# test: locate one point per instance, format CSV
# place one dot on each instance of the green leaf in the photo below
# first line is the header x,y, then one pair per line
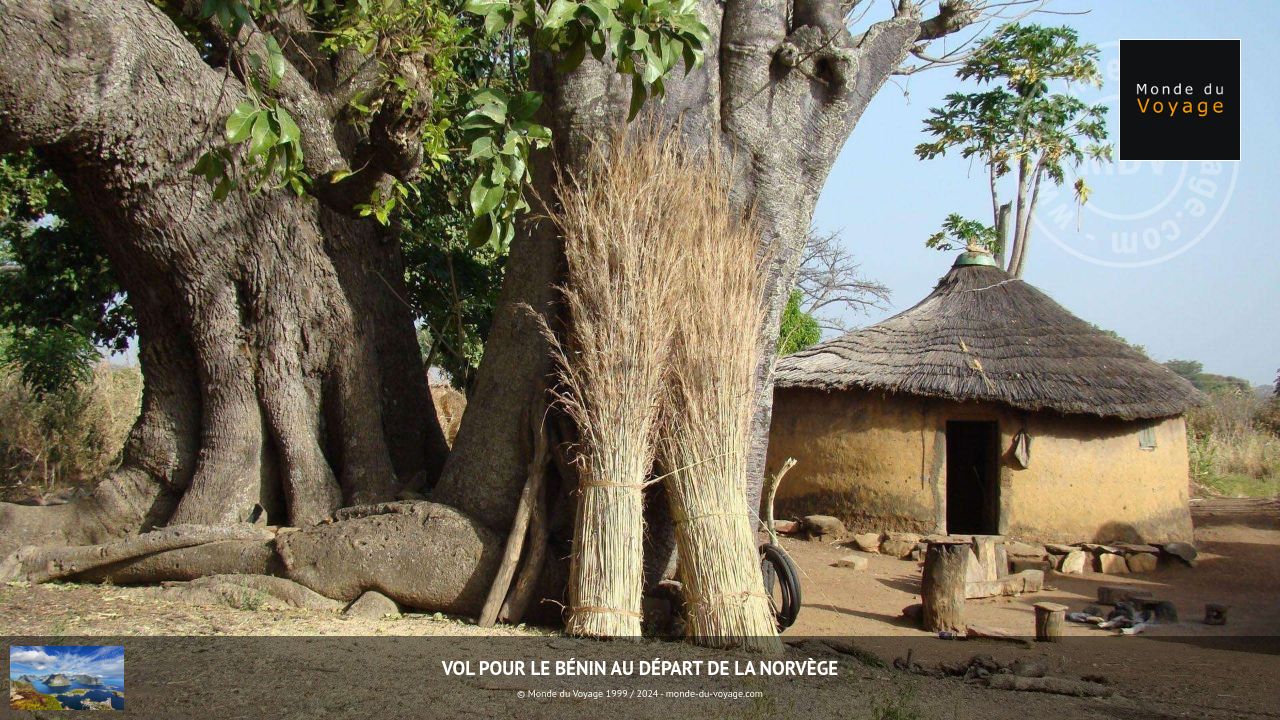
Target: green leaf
x,y
340,175
637,97
261,136
480,230
560,12
526,104
484,196
289,132
240,121
482,148
275,62
573,57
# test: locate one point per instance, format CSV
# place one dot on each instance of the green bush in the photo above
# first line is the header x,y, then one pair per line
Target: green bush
x,y
67,438
1233,445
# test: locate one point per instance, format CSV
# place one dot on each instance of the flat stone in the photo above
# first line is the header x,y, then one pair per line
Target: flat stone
x,y
823,525
1186,552
372,605
1073,563
1142,562
1096,549
1021,549
867,542
1110,564
1058,549
853,562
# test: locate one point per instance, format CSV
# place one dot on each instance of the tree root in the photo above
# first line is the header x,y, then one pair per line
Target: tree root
x,y
420,554
43,563
248,592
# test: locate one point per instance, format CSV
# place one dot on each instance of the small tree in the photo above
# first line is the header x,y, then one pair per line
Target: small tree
x,y
1019,127
798,329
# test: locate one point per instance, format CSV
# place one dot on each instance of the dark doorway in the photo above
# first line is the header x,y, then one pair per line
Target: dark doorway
x,y
973,478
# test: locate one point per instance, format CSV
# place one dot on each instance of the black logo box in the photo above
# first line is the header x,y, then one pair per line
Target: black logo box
x,y
1180,66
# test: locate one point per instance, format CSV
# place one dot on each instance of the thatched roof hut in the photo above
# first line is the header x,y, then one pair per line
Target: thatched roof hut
x,y
884,418
984,336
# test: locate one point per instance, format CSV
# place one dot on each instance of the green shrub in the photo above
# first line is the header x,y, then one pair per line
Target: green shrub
x,y
64,439
1233,445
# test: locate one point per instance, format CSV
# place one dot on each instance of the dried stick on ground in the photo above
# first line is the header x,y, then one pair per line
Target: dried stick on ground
x,y
706,435
614,218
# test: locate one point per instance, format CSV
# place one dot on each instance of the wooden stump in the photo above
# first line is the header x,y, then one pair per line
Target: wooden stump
x,y
1049,619
942,589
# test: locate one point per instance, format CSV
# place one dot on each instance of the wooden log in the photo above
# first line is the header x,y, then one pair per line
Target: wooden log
x,y
943,587
520,526
1049,621
530,572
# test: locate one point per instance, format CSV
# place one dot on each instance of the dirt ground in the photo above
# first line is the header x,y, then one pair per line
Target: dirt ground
x,y
1180,670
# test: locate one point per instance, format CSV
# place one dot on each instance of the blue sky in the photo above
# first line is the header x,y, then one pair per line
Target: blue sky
x,y
1203,289
105,661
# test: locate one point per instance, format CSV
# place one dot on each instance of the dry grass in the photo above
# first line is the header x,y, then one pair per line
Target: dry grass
x,y
66,440
1233,444
718,311
614,218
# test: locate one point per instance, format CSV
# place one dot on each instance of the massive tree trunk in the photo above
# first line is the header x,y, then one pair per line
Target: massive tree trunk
x,y
281,370
781,89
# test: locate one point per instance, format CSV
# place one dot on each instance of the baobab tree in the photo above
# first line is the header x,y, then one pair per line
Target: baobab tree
x,y
282,375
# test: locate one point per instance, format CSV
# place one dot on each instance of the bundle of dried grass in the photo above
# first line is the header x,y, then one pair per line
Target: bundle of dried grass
x,y
718,314
614,217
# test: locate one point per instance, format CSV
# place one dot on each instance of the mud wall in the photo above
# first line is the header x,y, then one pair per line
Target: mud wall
x,y
879,462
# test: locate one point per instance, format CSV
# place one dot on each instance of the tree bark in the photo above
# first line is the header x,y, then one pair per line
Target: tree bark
x,y
778,94
280,365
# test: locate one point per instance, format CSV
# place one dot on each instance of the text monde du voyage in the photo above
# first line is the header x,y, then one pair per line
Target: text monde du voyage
x,y
1179,99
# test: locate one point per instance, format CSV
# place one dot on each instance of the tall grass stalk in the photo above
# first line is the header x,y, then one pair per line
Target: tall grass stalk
x,y
718,313
615,218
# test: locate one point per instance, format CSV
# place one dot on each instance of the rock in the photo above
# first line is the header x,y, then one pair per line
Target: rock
x,y
1032,580
1018,564
1164,611
983,589
821,526
913,612
786,527
867,542
372,605
908,537
1057,549
1073,563
1142,562
853,562
1095,548
1186,552
1016,548
897,548
1110,564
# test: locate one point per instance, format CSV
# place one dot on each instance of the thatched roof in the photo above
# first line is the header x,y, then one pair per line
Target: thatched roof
x,y
983,335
